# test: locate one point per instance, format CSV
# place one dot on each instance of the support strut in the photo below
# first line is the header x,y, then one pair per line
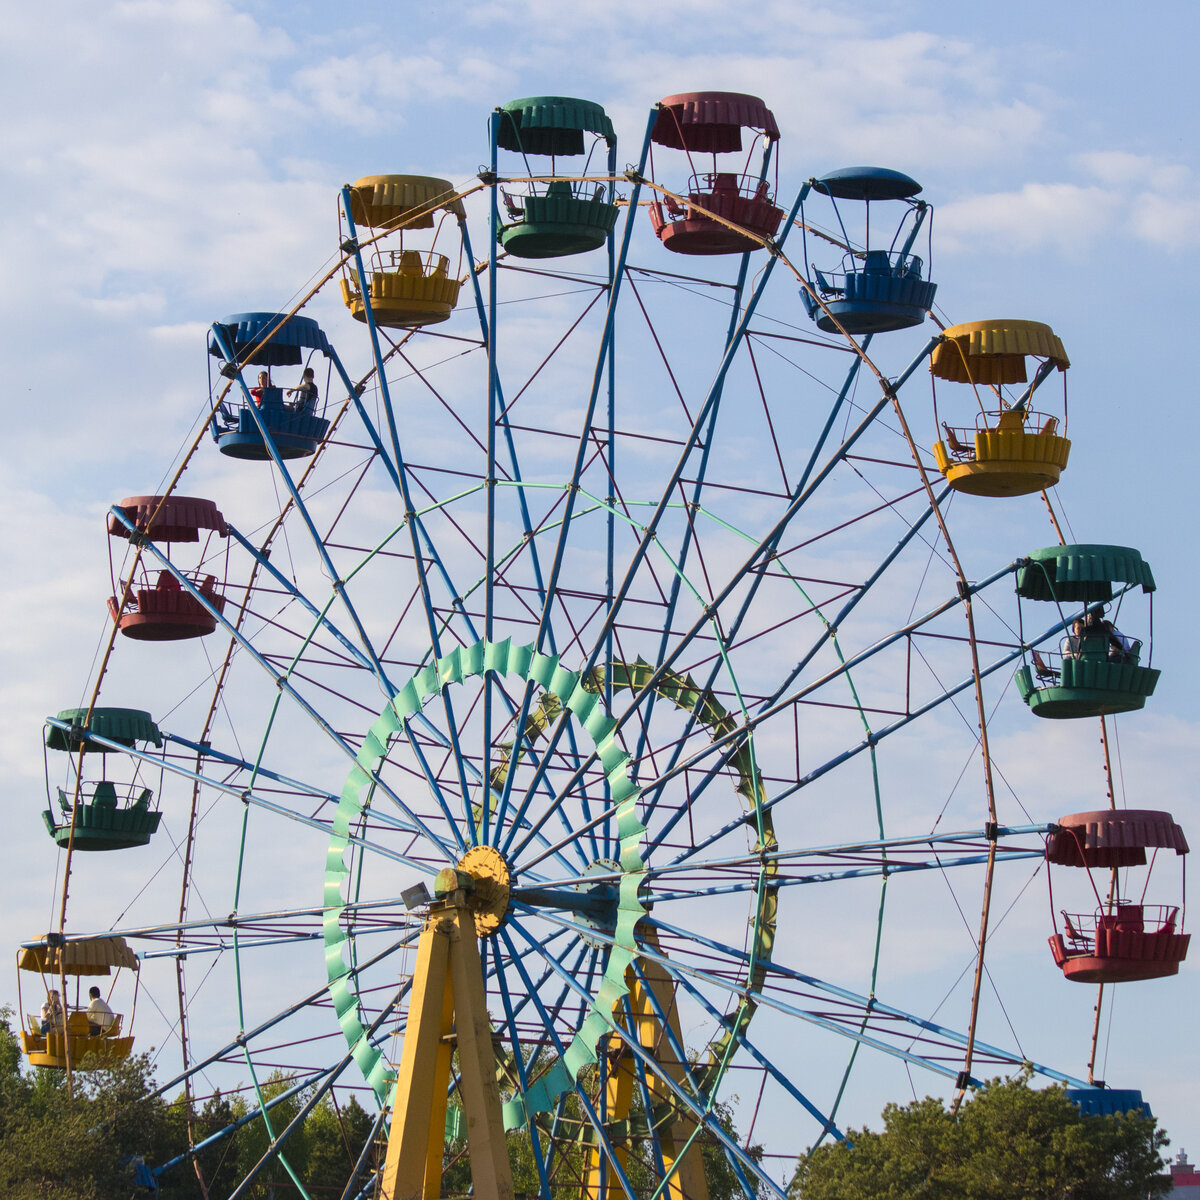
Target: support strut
x,y
448,1009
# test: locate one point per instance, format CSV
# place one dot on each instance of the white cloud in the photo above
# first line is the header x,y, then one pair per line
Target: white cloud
x,y
1136,196
1121,167
1063,215
1168,221
367,91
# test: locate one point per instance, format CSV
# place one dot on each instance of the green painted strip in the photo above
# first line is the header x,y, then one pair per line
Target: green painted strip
x,y
462,663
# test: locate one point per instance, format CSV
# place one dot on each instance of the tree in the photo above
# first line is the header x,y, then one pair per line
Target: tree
x,y
53,1144
336,1137
1008,1142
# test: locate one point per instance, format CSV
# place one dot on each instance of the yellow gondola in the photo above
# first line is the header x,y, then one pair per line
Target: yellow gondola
x,y
407,287
1012,450
68,1038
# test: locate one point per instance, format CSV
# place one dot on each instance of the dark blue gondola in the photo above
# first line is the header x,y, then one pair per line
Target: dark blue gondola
x,y
268,340
874,290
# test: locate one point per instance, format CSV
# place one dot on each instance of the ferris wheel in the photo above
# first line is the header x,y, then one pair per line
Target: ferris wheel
x,y
597,728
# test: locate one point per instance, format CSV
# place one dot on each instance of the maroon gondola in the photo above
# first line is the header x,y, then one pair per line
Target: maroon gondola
x,y
712,123
164,609
1120,940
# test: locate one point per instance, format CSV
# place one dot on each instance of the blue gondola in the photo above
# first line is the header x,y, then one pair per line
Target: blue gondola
x,y
268,340
874,290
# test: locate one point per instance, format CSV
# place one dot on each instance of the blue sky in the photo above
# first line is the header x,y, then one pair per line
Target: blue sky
x,y
171,162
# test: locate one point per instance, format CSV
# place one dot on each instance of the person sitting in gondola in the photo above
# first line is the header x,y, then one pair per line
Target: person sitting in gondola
x,y
264,381
52,1012
1102,634
305,392
100,1016
1073,646
1121,649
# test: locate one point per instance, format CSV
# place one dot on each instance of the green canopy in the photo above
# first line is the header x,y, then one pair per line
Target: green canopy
x,y
1083,573
552,125
123,725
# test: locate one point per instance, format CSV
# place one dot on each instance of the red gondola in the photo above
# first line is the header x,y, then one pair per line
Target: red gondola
x,y
1120,940
162,608
712,123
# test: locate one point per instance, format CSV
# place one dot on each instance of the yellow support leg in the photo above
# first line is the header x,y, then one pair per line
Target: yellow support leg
x,y
490,1168
687,1182
685,1169
406,1165
447,992
618,1099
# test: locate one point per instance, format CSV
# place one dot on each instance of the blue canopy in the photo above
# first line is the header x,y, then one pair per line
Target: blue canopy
x,y
1105,1102
290,337
867,183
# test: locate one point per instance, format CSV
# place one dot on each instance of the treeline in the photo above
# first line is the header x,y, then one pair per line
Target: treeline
x,y
86,1145
1007,1142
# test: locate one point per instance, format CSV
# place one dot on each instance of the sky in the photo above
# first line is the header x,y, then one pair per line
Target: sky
x,y
167,163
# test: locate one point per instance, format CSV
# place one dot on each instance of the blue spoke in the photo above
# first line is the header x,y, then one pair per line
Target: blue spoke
x,y
560,1049
887,867
251,799
866,1003
701,1114
781,1077
220,336
522,1078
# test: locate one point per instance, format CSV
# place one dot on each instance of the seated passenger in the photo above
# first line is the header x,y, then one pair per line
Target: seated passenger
x,y
1104,637
1120,648
305,392
264,381
1073,645
52,1012
100,1016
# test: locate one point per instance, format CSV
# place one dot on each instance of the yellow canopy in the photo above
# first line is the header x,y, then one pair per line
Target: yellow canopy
x,y
95,957
995,351
383,200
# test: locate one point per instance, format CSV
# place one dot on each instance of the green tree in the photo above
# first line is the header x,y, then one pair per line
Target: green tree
x,y
336,1137
719,1173
56,1142
1008,1142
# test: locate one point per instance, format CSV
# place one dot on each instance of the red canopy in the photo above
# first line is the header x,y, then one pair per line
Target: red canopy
x,y
711,122
179,520
1113,838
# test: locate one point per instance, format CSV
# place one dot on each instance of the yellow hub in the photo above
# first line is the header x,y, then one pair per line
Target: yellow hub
x,y
487,897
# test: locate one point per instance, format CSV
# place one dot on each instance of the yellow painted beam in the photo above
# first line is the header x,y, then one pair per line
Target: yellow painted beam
x,y
684,1168
440,1086
447,995
404,1169
491,1172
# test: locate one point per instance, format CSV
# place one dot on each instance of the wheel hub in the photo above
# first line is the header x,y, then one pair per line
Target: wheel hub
x,y
489,888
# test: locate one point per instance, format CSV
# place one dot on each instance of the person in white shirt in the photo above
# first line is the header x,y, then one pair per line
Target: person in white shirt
x,y
52,1013
100,1016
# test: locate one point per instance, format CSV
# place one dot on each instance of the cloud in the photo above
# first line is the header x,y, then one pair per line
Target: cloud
x,y
1135,196
1168,221
1120,167
366,91
1062,215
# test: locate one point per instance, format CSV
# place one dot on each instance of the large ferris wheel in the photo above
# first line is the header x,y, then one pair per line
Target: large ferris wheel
x,y
532,671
